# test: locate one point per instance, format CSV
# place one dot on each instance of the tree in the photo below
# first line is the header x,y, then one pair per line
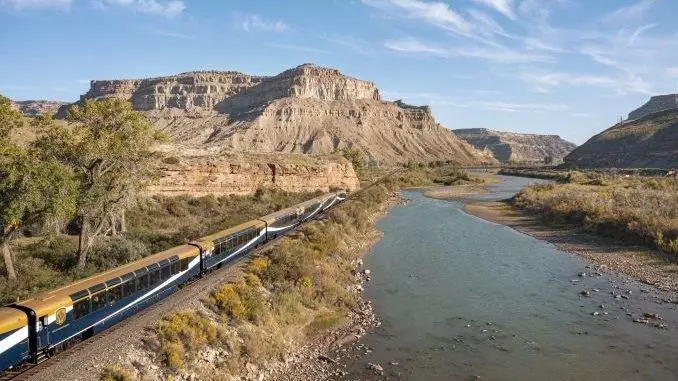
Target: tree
x,y
355,156
109,148
31,190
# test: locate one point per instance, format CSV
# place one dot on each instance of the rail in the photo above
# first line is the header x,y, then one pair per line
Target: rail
x,y
29,370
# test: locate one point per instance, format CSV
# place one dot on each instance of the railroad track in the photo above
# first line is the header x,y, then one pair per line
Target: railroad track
x,y
183,297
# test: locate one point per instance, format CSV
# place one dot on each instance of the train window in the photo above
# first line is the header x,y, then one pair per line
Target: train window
x,y
184,264
129,287
79,295
96,288
154,277
80,308
114,294
98,301
142,282
166,272
176,267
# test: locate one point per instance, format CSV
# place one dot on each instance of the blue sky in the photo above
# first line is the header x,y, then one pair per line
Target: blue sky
x,y
567,67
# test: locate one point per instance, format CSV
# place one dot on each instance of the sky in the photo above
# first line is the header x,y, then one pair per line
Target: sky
x,y
566,67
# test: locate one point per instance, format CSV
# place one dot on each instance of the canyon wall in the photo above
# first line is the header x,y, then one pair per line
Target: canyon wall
x,y
307,109
517,147
655,104
244,174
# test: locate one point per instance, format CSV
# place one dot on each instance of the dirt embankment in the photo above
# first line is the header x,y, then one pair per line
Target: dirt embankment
x,y
649,266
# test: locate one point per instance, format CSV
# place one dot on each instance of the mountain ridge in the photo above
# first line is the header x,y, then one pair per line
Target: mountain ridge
x,y
307,109
648,141
515,146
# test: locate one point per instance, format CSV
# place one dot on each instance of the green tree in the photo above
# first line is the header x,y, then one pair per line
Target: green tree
x,y
355,156
109,147
31,190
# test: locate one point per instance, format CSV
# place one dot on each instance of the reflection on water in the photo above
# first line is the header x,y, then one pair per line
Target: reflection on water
x,y
461,298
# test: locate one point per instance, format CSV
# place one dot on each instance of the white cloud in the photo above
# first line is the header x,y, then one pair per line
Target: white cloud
x,y
495,54
32,4
167,9
412,45
435,13
252,22
355,44
622,85
672,71
629,13
508,106
639,31
501,6
170,33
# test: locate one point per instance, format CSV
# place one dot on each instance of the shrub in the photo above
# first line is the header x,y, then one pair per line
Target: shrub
x,y
326,320
115,251
182,333
637,210
171,160
239,301
115,373
258,265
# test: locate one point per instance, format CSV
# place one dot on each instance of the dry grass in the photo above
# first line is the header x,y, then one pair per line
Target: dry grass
x,y
294,291
633,209
115,373
155,224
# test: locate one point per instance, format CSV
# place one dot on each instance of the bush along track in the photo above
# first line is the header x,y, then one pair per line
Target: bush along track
x,y
303,291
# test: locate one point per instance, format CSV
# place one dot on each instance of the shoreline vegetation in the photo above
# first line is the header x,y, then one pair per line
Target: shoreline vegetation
x,y
628,223
304,291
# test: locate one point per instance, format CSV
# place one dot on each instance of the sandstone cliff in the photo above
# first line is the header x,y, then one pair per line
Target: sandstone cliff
x,y
308,109
510,146
243,174
648,142
35,108
655,104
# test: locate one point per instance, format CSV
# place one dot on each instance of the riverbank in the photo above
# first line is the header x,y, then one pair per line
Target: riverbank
x,y
648,266
317,360
461,298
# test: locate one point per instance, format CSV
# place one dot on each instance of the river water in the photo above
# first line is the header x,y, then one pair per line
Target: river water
x,y
464,299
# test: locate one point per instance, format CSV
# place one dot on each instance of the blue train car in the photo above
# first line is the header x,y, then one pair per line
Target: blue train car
x,y
221,247
50,321
89,306
13,338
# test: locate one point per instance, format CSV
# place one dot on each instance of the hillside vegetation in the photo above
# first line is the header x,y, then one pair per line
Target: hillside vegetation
x,y
633,209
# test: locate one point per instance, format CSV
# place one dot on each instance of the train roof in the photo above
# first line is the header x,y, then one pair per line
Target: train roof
x,y
11,319
283,212
50,301
230,231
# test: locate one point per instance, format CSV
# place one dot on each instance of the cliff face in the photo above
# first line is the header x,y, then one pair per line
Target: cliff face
x,y
39,107
510,146
648,142
244,174
655,104
308,109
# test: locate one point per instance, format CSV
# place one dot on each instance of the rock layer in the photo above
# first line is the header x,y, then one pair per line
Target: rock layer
x,y
244,174
510,146
308,109
39,107
648,142
655,104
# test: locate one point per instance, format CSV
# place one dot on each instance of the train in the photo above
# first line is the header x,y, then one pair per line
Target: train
x,y
38,328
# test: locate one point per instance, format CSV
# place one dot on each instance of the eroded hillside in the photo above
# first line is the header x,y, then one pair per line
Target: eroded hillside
x,y
517,147
308,109
648,142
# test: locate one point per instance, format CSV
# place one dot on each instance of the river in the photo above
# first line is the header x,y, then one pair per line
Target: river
x,y
461,298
